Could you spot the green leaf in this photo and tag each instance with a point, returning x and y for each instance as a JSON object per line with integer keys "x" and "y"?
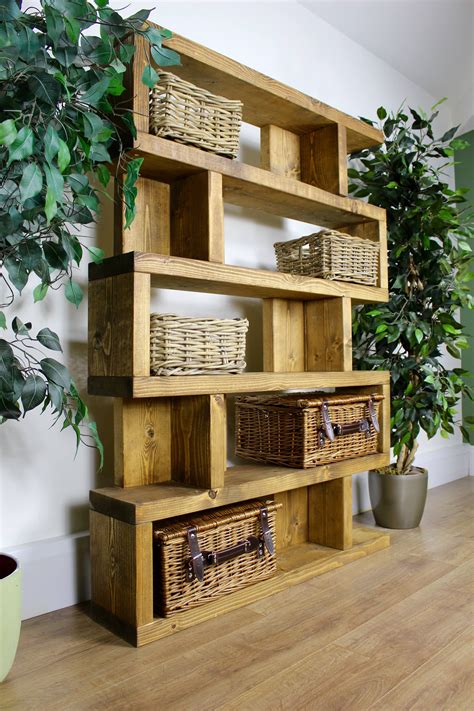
{"x": 418, "y": 335}
{"x": 97, "y": 254}
{"x": 94, "y": 94}
{"x": 56, "y": 395}
{"x": 56, "y": 372}
{"x": 34, "y": 392}
{"x": 381, "y": 113}
{"x": 31, "y": 181}
{"x": 51, "y": 143}
{"x": 30, "y": 253}
{"x": 97, "y": 442}
{"x": 73, "y": 293}
{"x": 16, "y": 272}
{"x": 20, "y": 328}
{"x": 22, "y": 146}
{"x": 103, "y": 174}
{"x": 49, "y": 339}
{"x": 39, "y": 292}
{"x": 50, "y": 205}
{"x": 149, "y": 76}
{"x": 55, "y": 182}
{"x": 56, "y": 255}
{"x": 64, "y": 157}
{"x": 165, "y": 57}
{"x": 8, "y": 132}
{"x": 3, "y": 320}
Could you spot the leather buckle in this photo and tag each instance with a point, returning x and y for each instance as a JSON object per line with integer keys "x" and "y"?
{"x": 328, "y": 428}
{"x": 266, "y": 533}
{"x": 195, "y": 567}
{"x": 373, "y": 415}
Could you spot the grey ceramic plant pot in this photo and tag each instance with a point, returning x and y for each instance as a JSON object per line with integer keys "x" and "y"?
{"x": 398, "y": 500}
{"x": 10, "y": 612}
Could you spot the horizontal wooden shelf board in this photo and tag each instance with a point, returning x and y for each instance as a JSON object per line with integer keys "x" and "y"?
{"x": 213, "y": 278}
{"x": 266, "y": 101}
{"x": 179, "y": 385}
{"x": 252, "y": 187}
{"x": 158, "y": 501}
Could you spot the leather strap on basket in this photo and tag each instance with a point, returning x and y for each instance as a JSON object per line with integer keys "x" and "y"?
{"x": 373, "y": 415}
{"x": 200, "y": 560}
{"x": 331, "y": 430}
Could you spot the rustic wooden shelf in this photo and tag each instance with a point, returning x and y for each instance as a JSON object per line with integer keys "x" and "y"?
{"x": 197, "y": 275}
{"x": 252, "y": 187}
{"x": 171, "y": 432}
{"x": 266, "y": 101}
{"x": 141, "y": 504}
{"x": 294, "y": 565}
{"x": 181, "y": 385}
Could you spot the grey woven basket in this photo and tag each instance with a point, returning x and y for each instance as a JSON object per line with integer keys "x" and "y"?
{"x": 330, "y": 254}
{"x": 191, "y": 115}
{"x": 182, "y": 345}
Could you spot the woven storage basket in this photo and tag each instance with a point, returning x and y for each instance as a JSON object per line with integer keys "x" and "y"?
{"x": 232, "y": 548}
{"x": 329, "y": 254}
{"x": 191, "y": 115}
{"x": 303, "y": 431}
{"x": 182, "y": 345}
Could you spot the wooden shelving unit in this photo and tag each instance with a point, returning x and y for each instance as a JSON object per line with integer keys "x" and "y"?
{"x": 171, "y": 433}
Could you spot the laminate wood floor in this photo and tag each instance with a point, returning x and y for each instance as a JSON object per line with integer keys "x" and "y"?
{"x": 390, "y": 632}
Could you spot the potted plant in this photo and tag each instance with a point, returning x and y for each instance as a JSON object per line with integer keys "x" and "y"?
{"x": 429, "y": 255}
{"x": 10, "y": 612}
{"x": 62, "y": 65}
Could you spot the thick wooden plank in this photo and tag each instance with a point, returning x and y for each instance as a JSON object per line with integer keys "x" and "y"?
{"x": 329, "y": 334}
{"x": 150, "y": 230}
{"x": 280, "y": 151}
{"x": 330, "y": 513}
{"x": 324, "y": 159}
{"x": 159, "y": 501}
{"x": 384, "y": 435}
{"x": 174, "y": 386}
{"x": 142, "y": 435}
{"x": 119, "y": 325}
{"x": 195, "y": 275}
{"x": 252, "y": 187}
{"x": 198, "y": 440}
{"x": 197, "y": 217}
{"x": 265, "y": 100}
{"x": 137, "y": 95}
{"x": 121, "y": 564}
{"x": 292, "y": 518}
{"x": 295, "y": 565}
{"x": 283, "y": 336}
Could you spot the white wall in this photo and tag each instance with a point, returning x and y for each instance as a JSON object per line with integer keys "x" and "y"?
{"x": 43, "y": 489}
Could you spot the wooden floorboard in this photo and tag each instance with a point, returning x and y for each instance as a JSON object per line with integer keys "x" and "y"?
{"x": 390, "y": 632}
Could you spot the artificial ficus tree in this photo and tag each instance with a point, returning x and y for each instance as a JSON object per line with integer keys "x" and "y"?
{"x": 62, "y": 65}
{"x": 429, "y": 272}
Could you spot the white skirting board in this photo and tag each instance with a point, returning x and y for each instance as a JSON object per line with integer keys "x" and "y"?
{"x": 56, "y": 571}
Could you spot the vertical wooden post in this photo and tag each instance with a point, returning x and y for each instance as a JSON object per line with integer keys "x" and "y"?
{"x": 197, "y": 217}
{"x": 324, "y": 158}
{"x": 292, "y": 518}
{"x": 198, "y": 439}
{"x": 329, "y": 334}
{"x": 122, "y": 568}
{"x": 137, "y": 95}
{"x": 283, "y": 336}
{"x": 280, "y": 151}
{"x": 119, "y": 325}
{"x": 330, "y": 513}
{"x": 150, "y": 230}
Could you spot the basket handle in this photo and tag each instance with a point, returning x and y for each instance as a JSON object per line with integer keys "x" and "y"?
{"x": 332, "y": 430}
{"x": 200, "y": 560}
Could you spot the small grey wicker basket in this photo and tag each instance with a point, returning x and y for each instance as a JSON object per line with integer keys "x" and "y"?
{"x": 330, "y": 254}
{"x": 182, "y": 345}
{"x": 191, "y": 115}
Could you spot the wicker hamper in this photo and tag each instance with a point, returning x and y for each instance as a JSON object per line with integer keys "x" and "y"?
{"x": 182, "y": 345}
{"x": 201, "y": 559}
{"x": 306, "y": 430}
{"x": 191, "y": 115}
{"x": 329, "y": 254}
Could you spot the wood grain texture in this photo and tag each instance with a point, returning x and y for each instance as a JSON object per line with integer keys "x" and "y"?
{"x": 265, "y": 101}
{"x": 280, "y": 152}
{"x": 121, "y": 563}
{"x": 324, "y": 158}
{"x": 176, "y": 386}
{"x": 198, "y": 440}
{"x": 194, "y": 275}
{"x": 197, "y": 217}
{"x": 136, "y": 95}
{"x": 273, "y": 653}
{"x": 292, "y": 518}
{"x": 160, "y": 501}
{"x": 330, "y": 513}
{"x": 384, "y": 434}
{"x": 119, "y": 325}
{"x": 150, "y": 230}
{"x": 142, "y": 436}
{"x": 252, "y": 187}
{"x": 283, "y": 336}
{"x": 328, "y": 326}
